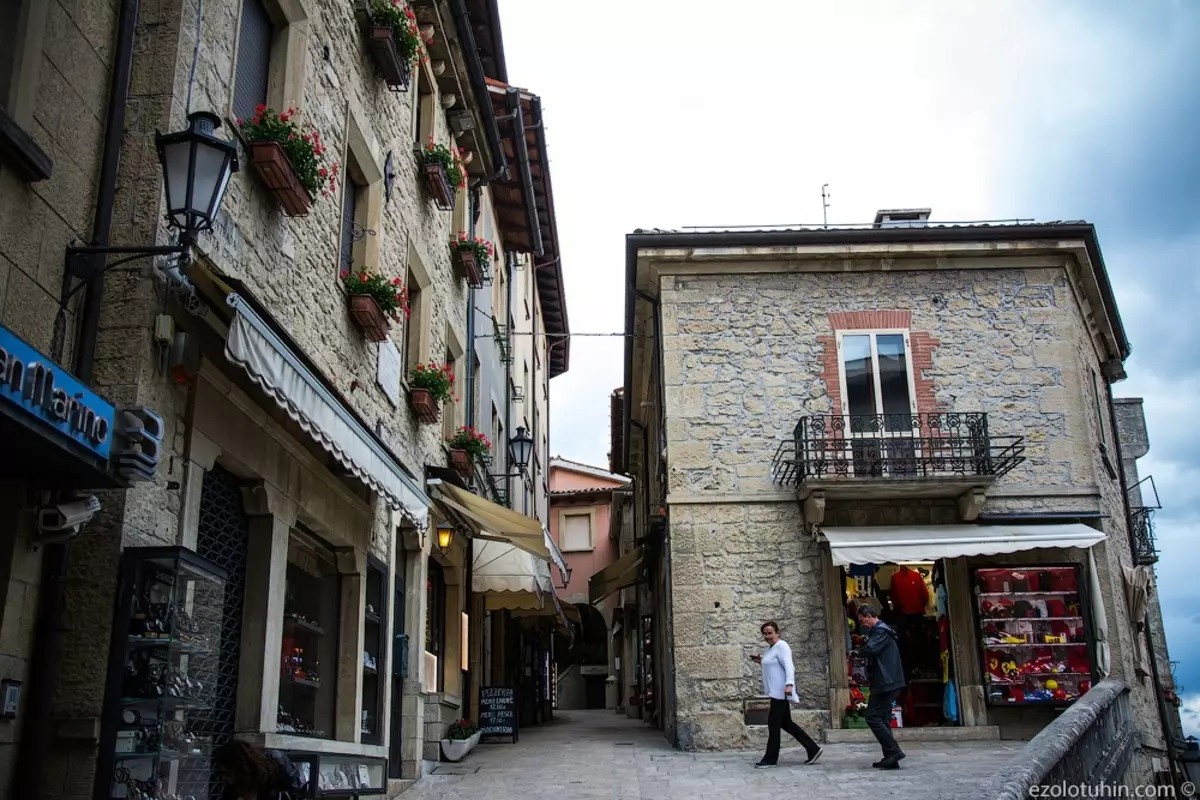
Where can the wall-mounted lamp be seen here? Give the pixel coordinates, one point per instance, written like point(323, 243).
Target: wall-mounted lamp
point(445, 538)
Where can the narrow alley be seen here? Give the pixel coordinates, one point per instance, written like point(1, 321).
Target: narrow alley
point(595, 754)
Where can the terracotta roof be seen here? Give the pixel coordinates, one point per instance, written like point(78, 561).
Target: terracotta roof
point(513, 214)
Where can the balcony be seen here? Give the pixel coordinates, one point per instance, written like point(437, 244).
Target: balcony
point(879, 456)
point(1143, 502)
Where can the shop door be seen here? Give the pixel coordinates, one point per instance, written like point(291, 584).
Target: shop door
point(399, 671)
point(223, 537)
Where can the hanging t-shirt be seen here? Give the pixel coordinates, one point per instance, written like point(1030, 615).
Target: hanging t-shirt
point(909, 593)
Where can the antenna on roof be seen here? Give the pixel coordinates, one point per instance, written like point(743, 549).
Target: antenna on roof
point(825, 204)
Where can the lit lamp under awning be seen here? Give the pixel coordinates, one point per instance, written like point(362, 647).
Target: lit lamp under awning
point(494, 520)
point(625, 571)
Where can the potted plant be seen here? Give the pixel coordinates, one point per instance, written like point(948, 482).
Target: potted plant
point(393, 39)
point(290, 162)
point(461, 739)
point(467, 447)
point(854, 716)
point(473, 257)
point(373, 301)
point(430, 385)
point(444, 173)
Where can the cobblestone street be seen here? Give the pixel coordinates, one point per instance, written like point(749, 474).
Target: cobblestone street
point(594, 754)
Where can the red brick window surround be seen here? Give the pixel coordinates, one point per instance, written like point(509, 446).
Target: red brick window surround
point(920, 343)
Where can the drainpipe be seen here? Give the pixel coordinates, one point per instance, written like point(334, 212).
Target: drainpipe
point(1160, 701)
point(38, 734)
point(470, 379)
point(512, 357)
point(462, 21)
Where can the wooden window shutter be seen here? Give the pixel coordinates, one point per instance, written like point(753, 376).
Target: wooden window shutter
point(253, 59)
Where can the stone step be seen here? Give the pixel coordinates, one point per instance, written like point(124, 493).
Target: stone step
point(928, 734)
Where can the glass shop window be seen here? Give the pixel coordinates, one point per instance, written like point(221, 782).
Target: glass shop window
point(307, 685)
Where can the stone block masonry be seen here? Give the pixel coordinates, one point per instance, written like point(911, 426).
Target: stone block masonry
point(733, 568)
point(748, 355)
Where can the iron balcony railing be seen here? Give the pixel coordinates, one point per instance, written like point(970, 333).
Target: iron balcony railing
point(1143, 502)
point(895, 446)
point(1143, 535)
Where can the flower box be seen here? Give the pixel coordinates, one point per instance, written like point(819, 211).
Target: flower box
point(396, 71)
point(368, 317)
point(464, 259)
point(457, 749)
point(439, 186)
point(854, 722)
point(279, 177)
point(461, 460)
point(424, 406)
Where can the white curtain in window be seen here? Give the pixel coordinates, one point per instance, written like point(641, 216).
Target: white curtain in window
point(577, 532)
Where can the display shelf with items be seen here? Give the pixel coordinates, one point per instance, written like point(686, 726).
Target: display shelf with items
point(1033, 634)
point(328, 775)
point(156, 741)
point(307, 695)
point(649, 691)
point(373, 656)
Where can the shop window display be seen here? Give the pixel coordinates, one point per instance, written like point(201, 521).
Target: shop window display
point(1036, 648)
point(162, 675)
point(912, 599)
point(373, 655)
point(307, 691)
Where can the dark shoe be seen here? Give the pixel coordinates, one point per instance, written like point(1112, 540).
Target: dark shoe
point(889, 762)
point(812, 757)
point(764, 765)
point(889, 765)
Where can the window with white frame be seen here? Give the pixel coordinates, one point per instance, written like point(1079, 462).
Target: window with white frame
point(576, 531)
point(876, 375)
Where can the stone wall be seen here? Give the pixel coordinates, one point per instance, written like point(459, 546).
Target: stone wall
point(746, 355)
point(734, 567)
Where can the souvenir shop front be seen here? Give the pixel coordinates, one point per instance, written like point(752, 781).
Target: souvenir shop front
point(992, 624)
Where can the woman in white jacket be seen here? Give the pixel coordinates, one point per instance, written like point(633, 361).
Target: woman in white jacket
point(779, 684)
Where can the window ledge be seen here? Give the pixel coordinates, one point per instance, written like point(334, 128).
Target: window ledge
point(20, 152)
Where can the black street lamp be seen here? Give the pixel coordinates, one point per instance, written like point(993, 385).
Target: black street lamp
point(196, 169)
point(520, 448)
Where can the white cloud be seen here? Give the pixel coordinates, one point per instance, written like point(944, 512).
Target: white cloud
point(1189, 714)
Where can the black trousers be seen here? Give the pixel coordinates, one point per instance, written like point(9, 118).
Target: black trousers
point(879, 717)
point(780, 718)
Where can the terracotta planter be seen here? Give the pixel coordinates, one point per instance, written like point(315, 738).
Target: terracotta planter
point(424, 406)
point(461, 461)
point(367, 316)
point(396, 71)
point(439, 186)
point(277, 175)
point(464, 259)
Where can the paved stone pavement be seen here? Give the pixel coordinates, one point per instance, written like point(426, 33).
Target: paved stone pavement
point(595, 754)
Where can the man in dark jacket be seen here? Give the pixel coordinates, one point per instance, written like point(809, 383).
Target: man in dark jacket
point(887, 681)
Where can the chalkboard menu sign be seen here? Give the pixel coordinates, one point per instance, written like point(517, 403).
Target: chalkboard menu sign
point(498, 711)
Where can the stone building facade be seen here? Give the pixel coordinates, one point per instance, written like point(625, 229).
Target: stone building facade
point(246, 477)
point(737, 372)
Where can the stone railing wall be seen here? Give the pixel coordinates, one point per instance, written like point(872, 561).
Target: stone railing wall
point(1091, 744)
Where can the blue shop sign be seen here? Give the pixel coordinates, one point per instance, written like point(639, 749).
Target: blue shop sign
point(56, 398)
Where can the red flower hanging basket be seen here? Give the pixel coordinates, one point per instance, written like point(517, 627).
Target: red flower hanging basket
point(367, 316)
point(277, 175)
point(461, 460)
point(439, 186)
point(424, 406)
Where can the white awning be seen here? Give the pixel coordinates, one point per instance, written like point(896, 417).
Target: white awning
point(556, 556)
point(508, 576)
point(896, 543)
point(272, 365)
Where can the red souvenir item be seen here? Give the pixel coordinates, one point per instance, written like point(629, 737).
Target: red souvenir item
point(909, 593)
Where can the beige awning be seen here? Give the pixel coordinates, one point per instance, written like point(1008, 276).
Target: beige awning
point(507, 576)
point(495, 520)
point(625, 571)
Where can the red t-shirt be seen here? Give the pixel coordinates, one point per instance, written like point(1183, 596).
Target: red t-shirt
point(909, 593)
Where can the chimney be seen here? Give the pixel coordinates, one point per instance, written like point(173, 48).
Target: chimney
point(902, 217)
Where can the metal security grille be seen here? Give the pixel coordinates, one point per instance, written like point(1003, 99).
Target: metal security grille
point(223, 538)
point(253, 59)
point(349, 210)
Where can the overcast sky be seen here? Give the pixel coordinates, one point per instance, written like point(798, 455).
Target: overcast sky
point(668, 113)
